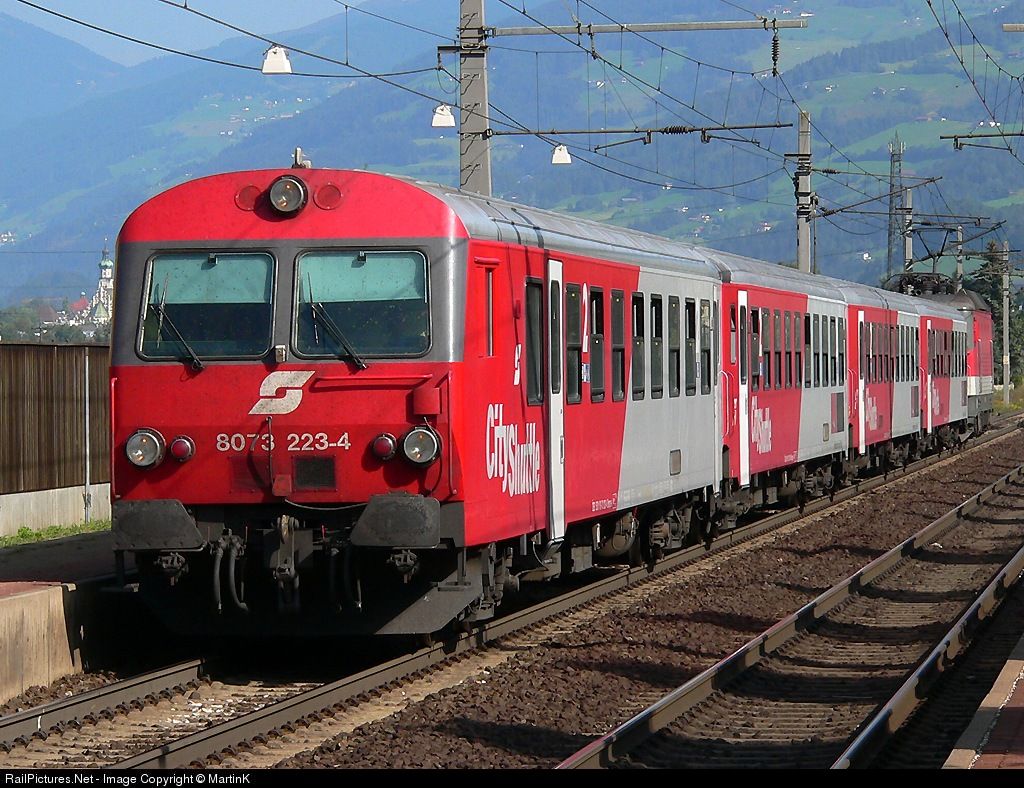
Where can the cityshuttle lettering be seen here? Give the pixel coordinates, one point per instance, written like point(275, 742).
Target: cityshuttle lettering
point(871, 413)
point(761, 428)
point(516, 463)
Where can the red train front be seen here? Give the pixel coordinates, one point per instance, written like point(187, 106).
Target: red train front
point(284, 379)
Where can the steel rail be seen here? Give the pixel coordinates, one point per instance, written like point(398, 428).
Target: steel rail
point(889, 718)
point(612, 746)
point(41, 719)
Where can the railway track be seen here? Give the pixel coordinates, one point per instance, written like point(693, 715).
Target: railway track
point(828, 685)
point(191, 721)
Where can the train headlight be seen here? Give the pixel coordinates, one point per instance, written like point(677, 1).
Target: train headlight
point(145, 448)
point(421, 445)
point(288, 194)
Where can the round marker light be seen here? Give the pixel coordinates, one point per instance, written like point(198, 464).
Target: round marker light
point(288, 194)
point(421, 445)
point(182, 448)
point(384, 446)
point(145, 448)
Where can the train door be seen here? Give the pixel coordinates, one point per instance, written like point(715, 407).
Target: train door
point(556, 403)
point(927, 367)
point(865, 350)
point(744, 390)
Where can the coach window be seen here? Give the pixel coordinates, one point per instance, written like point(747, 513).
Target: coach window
point(555, 336)
point(209, 305)
point(842, 351)
point(638, 345)
point(690, 321)
point(908, 339)
point(828, 351)
point(900, 350)
point(673, 346)
point(832, 358)
point(657, 348)
point(862, 349)
point(743, 345)
point(534, 343)
point(716, 330)
point(596, 345)
point(778, 349)
point(755, 347)
point(618, 346)
point(766, 348)
point(892, 353)
point(789, 350)
point(489, 315)
point(817, 352)
point(732, 334)
point(798, 344)
point(880, 353)
point(573, 345)
point(886, 353)
point(705, 347)
point(808, 357)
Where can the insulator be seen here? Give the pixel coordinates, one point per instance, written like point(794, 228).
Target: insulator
point(775, 54)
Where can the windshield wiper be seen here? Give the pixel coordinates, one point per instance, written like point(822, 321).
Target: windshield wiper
point(320, 314)
point(164, 319)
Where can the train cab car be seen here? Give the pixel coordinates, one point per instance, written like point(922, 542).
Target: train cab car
point(353, 403)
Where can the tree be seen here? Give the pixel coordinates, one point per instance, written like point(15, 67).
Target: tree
point(988, 281)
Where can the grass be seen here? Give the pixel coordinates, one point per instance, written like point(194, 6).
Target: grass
point(1016, 400)
point(28, 536)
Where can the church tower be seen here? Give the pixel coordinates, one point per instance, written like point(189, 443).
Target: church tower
point(102, 303)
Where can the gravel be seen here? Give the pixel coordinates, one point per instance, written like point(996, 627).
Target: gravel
point(542, 706)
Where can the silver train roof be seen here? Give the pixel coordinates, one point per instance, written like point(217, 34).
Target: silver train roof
point(492, 218)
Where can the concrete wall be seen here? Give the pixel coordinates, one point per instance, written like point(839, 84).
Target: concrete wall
point(37, 645)
point(41, 509)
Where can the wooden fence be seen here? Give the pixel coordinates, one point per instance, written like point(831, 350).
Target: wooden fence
point(48, 395)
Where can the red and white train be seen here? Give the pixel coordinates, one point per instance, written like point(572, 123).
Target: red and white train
point(350, 402)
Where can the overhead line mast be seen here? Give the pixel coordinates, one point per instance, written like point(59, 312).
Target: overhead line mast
point(474, 119)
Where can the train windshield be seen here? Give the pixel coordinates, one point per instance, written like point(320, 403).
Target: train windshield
point(362, 303)
point(206, 305)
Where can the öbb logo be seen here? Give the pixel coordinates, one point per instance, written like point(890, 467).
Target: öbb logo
point(516, 464)
point(270, 403)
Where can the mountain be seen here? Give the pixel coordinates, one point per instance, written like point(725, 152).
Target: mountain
point(863, 68)
point(56, 73)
